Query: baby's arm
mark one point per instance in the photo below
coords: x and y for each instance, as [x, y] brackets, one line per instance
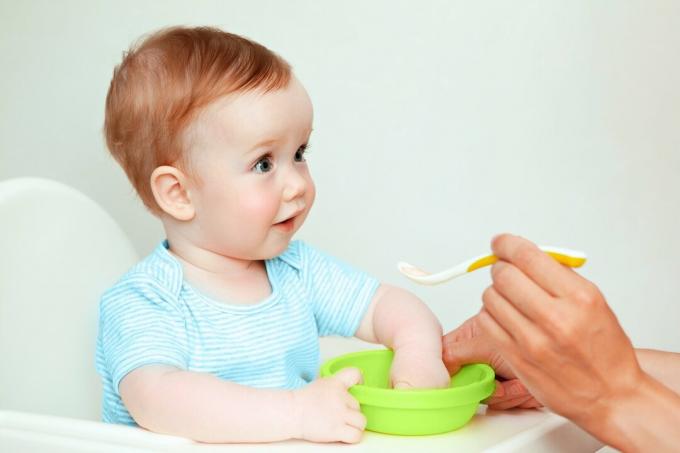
[205, 408]
[402, 322]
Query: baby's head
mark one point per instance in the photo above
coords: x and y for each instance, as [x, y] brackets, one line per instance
[211, 129]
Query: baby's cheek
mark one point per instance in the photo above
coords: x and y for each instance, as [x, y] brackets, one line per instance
[310, 194]
[259, 207]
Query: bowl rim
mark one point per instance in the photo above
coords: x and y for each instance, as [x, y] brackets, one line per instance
[462, 395]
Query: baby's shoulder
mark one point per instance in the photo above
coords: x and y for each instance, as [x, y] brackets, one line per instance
[149, 281]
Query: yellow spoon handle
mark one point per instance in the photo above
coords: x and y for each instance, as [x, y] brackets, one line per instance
[567, 257]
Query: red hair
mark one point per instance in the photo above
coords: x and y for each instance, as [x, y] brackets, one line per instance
[164, 81]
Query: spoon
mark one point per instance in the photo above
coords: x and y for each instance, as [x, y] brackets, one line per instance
[571, 258]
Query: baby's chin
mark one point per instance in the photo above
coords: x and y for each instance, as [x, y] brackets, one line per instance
[274, 250]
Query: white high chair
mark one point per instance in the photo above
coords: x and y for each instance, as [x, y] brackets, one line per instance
[59, 251]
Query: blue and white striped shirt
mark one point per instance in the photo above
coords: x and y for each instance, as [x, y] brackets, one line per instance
[152, 316]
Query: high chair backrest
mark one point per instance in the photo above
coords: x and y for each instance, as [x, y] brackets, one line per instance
[59, 251]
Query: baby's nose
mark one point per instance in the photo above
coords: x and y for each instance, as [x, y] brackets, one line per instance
[295, 186]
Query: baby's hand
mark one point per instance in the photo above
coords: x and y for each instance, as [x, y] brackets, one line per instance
[416, 369]
[326, 412]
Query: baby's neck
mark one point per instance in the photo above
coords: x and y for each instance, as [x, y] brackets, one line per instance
[207, 261]
[224, 278]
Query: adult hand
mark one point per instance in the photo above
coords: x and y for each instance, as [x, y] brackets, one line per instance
[558, 335]
[467, 344]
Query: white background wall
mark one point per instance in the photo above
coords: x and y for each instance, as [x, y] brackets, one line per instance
[438, 124]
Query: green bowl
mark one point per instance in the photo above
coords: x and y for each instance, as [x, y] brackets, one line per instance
[413, 412]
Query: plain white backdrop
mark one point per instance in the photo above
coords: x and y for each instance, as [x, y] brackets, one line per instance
[437, 125]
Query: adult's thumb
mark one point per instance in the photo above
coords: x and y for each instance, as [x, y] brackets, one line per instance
[461, 352]
[349, 376]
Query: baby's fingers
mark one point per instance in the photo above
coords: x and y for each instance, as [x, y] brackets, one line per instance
[349, 377]
[350, 435]
[352, 403]
[356, 419]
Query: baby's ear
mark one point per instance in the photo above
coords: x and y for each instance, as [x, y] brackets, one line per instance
[170, 189]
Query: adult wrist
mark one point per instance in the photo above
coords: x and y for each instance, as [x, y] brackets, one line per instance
[629, 420]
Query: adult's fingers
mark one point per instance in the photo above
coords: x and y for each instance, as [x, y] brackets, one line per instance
[466, 330]
[522, 292]
[494, 330]
[511, 393]
[472, 350]
[509, 349]
[498, 393]
[506, 390]
[532, 403]
[509, 403]
[349, 376]
[517, 326]
[550, 275]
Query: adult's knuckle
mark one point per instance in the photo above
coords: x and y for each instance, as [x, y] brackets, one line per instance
[484, 321]
[566, 334]
[523, 338]
[538, 348]
[587, 296]
[501, 240]
[553, 319]
[488, 295]
[502, 275]
[525, 256]
[449, 353]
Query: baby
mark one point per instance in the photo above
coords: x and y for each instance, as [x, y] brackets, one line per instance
[214, 336]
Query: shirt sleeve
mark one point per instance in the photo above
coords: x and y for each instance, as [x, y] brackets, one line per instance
[140, 324]
[340, 294]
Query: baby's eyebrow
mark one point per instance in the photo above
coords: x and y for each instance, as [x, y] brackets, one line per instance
[269, 142]
[262, 144]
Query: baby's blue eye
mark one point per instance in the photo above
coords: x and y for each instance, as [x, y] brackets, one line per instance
[263, 165]
[300, 154]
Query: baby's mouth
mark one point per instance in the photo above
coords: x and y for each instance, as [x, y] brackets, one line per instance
[290, 220]
[287, 224]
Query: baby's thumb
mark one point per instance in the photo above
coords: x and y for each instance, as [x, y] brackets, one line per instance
[459, 353]
[349, 376]
[402, 385]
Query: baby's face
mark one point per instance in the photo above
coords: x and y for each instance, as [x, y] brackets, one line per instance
[248, 150]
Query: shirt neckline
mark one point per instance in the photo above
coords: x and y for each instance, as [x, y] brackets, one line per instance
[225, 306]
